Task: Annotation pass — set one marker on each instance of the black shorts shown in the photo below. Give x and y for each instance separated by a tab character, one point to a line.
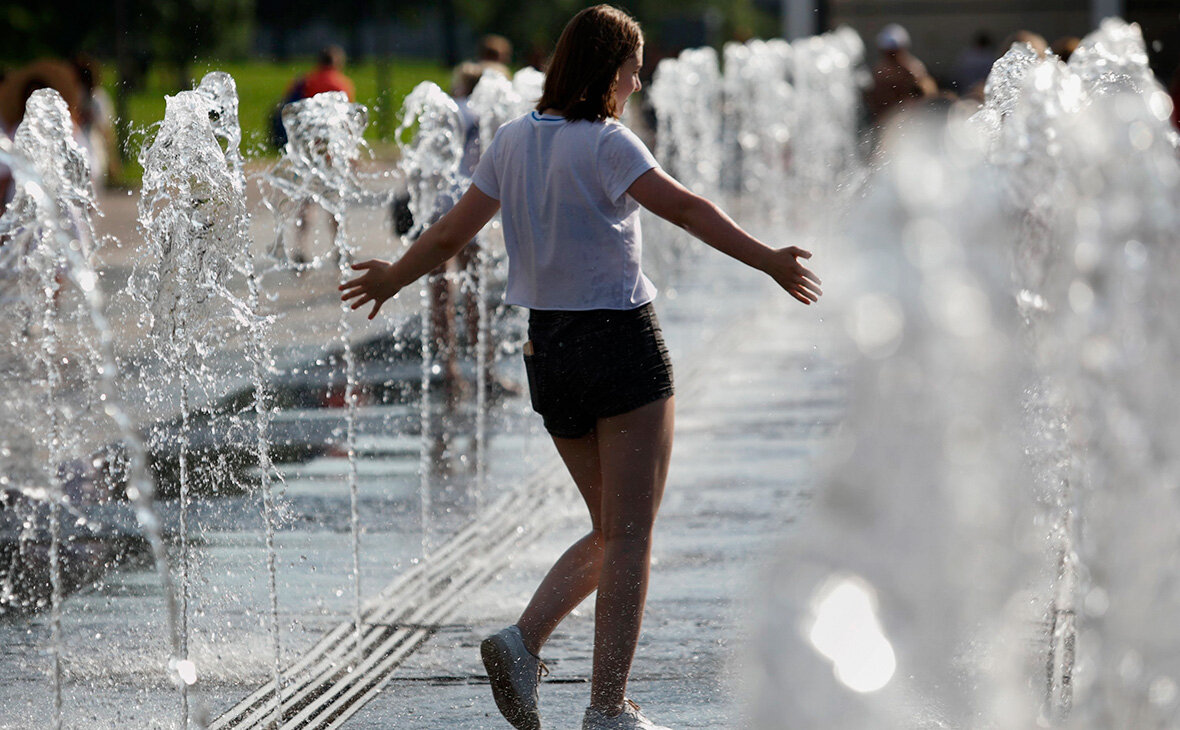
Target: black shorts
594	364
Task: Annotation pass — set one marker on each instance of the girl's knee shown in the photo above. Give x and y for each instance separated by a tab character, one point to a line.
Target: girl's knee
632	531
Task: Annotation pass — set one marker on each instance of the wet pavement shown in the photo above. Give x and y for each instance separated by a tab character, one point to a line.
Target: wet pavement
758	395
754	411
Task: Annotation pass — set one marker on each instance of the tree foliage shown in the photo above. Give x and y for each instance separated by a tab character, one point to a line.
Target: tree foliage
174	31
36	29
177	31
536	24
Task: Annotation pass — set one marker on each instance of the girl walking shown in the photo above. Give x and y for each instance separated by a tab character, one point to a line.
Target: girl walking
569	179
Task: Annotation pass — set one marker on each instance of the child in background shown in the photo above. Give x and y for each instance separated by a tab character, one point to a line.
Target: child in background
569	179
442	282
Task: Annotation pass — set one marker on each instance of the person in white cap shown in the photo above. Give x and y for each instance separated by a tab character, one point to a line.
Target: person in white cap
899	77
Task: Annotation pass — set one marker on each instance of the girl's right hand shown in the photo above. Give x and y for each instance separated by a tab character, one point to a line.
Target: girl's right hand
376	285
794	277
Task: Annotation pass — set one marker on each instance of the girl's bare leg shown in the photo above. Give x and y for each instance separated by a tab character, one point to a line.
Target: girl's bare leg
620	471
575	574
634	450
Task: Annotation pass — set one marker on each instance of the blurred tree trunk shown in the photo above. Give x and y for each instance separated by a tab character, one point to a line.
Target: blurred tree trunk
450	33
124	71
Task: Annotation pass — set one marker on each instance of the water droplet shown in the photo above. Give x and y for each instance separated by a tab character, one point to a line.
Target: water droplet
187	671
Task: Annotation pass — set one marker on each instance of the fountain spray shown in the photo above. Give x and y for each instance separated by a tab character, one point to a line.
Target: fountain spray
48	242
325	140
193	217
430	162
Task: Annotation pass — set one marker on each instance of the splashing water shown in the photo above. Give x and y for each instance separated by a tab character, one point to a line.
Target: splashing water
325	142
686	92
1004	489
220	91
529	83
193	217
45	136
59	346
494	101
823	154
755	123
1106	339
777	127
38	260
430	161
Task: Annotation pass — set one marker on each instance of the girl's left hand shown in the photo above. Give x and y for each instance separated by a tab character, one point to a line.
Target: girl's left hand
375	285
792	276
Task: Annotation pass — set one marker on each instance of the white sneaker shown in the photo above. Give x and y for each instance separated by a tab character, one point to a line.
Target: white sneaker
515	673
629	719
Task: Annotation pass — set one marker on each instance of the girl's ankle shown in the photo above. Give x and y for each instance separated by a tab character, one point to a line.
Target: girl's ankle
528	644
607	710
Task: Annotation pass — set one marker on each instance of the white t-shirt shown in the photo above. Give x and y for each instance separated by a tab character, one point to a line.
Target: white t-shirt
571	231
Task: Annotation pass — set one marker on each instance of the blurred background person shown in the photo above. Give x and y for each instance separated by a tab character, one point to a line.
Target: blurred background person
899	78
495	51
973	65
96	119
1064	47
1036	40
328	75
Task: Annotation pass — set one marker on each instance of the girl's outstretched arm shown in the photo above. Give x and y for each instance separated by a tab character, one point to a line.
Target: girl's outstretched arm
664	196
438	243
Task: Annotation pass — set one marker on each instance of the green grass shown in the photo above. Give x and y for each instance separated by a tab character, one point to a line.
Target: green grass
261	85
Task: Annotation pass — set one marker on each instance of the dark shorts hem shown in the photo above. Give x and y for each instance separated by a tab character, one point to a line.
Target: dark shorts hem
595	364
638	402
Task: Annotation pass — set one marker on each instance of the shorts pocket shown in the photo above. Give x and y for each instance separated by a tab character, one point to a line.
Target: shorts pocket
532	366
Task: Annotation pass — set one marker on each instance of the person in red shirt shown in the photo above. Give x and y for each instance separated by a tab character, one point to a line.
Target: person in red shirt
327	75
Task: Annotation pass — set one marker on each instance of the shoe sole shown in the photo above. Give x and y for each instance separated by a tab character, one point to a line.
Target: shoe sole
494	652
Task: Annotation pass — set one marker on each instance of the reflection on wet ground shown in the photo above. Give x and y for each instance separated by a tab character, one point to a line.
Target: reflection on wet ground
101	530
113	623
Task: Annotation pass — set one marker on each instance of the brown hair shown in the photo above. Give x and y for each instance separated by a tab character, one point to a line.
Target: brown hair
332	56
496	48
593	47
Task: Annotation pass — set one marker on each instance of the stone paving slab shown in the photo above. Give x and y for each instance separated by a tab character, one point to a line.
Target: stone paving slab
741	474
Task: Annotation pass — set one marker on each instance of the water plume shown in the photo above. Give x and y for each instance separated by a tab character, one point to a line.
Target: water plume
325	144
430	161
56	342
193	217
1003	495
